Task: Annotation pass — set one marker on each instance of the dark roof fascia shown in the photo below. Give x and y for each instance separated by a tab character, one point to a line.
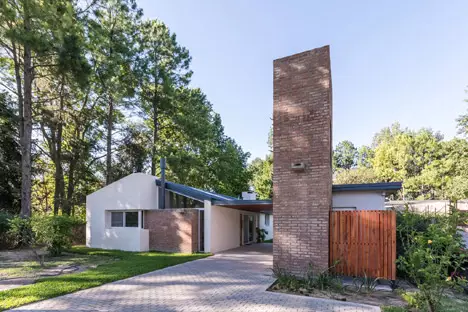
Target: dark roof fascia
241	202
389	186
192	192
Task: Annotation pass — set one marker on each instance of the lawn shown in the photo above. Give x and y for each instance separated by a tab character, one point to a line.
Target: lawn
268	241
128	264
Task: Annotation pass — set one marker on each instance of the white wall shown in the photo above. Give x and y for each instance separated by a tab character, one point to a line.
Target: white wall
360	200
137	191
225	228
268	228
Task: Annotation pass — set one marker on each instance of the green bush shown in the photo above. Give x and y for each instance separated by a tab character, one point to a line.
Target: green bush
432	256
261	233
20	232
55	232
4	228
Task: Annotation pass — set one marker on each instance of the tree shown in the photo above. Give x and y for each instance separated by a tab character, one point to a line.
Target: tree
365	155
355	176
36	34
164	67
113	51
345	155
262	172
10	180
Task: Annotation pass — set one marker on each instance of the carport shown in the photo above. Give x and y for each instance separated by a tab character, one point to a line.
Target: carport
232	223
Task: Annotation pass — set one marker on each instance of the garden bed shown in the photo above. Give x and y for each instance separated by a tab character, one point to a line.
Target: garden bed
347	293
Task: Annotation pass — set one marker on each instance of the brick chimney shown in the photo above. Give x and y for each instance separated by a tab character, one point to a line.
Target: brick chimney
302	172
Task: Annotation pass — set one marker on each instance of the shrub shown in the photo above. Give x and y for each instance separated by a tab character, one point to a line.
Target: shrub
285	279
5	240
313	279
261	235
55	232
365	284
20	232
432	257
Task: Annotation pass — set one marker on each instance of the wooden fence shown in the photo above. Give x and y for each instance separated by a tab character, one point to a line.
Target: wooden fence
364	242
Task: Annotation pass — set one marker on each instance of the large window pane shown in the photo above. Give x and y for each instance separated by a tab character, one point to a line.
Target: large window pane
116	219
131	219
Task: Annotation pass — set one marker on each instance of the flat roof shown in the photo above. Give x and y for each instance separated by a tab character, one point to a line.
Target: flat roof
384	186
267	205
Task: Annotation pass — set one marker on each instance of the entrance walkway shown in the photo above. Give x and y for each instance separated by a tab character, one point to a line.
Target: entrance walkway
235	280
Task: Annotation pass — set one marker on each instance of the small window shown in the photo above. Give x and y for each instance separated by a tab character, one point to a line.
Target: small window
267	220
131	219
117	219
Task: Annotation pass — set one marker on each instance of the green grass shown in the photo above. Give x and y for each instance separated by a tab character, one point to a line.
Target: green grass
268	241
31	269
129	264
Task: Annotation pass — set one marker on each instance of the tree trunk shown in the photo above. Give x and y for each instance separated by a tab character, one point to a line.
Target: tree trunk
57	141
27	115
19	89
155	138
109	142
68	205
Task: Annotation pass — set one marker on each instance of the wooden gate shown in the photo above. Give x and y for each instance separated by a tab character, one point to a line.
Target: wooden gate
364	242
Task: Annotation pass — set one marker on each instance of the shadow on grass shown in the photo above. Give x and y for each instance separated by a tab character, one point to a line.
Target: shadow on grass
129	264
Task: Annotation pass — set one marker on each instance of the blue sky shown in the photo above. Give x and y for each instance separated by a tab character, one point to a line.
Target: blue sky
403	61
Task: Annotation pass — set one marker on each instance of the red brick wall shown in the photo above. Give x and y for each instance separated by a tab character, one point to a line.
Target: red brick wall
172	230
302	133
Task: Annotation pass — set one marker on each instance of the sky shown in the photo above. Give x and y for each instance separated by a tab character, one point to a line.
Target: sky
404	61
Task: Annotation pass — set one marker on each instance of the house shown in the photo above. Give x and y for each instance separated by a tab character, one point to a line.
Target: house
128	215
139	212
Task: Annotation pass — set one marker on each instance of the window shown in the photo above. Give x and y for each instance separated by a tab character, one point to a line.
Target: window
124	219
267	220
117	219
131	219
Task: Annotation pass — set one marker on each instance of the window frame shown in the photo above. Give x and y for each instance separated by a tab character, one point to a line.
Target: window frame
124	219
267	217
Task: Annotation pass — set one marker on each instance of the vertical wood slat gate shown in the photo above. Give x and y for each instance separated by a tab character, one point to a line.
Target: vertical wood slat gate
364	242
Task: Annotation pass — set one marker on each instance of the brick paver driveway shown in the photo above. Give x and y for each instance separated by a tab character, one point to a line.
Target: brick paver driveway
232	281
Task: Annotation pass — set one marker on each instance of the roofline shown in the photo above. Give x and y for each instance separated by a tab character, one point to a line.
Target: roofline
387	186
192	192
241	202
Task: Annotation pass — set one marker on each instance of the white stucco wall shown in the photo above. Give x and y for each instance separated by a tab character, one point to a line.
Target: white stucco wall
135	192
268	228
360	200
225	228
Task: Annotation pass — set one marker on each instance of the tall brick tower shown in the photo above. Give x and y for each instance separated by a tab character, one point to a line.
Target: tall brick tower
302	172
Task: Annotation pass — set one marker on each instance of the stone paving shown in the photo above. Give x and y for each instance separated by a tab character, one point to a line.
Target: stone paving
231	281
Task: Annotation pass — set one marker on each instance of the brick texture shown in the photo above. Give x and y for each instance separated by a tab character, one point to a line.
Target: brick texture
173	230
302	133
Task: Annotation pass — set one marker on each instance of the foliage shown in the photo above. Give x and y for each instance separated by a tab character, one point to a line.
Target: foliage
21	232
261	235
345	155
313	279
365	283
356	176
285	279
129	264
261	171
432	258
108	94
9	157
4	228
55	232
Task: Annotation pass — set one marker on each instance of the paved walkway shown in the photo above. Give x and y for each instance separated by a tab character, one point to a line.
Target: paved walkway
231	281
